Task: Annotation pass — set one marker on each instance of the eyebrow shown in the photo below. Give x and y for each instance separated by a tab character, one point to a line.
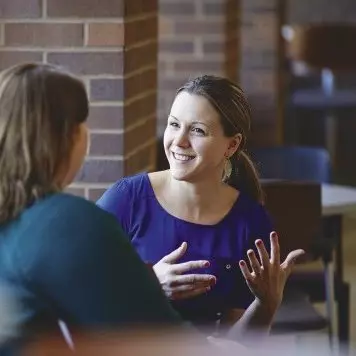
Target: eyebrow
194	122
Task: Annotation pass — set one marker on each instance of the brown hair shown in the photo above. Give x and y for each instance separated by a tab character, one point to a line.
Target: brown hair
41	107
235	114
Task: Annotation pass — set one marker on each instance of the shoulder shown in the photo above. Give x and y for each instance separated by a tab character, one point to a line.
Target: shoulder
66	209
255	216
125	188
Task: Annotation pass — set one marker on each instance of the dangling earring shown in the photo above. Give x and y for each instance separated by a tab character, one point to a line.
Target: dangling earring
227	169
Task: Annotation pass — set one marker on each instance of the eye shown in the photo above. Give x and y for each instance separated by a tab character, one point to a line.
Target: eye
199	131
173	124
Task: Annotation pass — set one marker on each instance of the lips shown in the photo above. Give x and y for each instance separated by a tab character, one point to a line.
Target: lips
182	157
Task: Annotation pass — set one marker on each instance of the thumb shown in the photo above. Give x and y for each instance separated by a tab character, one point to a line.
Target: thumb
290	260
176	254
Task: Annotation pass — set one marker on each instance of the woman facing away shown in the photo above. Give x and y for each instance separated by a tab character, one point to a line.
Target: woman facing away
62	257
196	221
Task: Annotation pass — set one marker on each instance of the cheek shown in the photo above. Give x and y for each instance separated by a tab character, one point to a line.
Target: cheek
167	139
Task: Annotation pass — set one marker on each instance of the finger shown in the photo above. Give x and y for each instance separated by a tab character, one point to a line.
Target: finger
275	249
255	265
207	279
262	252
189	294
176	254
188	266
290	260
245	271
189	287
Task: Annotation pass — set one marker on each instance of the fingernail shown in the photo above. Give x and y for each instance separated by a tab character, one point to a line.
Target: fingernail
259	242
274	234
242	263
206	264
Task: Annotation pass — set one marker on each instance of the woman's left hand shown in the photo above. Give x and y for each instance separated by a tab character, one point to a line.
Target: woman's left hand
268	276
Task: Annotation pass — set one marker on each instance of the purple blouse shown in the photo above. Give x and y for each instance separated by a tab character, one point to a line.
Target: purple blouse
154	233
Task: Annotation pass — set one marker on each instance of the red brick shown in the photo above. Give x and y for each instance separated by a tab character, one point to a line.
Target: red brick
105	34
258	81
216	8
263	5
106	144
141	160
85	8
40	34
149	6
199	27
138	135
171	84
198	66
140	56
106	117
140	83
138	7
20	9
140	108
178	8
89	63
107	90
176	46
141	30
213	46
100	171
9	58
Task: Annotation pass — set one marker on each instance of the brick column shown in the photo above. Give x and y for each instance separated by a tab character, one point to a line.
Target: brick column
260	66
112	45
195	37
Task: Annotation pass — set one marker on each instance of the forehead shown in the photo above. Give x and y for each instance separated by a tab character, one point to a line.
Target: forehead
193	107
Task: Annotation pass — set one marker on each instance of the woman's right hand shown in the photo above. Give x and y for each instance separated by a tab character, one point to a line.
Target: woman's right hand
177	285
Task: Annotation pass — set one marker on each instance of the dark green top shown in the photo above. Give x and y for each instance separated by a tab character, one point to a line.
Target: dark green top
67	259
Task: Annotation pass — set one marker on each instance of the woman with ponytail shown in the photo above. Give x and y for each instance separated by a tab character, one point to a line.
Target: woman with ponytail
196	222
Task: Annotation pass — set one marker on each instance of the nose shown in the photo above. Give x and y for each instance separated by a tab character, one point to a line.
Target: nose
182	139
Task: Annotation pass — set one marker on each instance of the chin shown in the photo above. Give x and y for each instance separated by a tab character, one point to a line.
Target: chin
179	174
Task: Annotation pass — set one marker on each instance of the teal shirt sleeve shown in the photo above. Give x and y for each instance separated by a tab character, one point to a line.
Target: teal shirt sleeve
85	267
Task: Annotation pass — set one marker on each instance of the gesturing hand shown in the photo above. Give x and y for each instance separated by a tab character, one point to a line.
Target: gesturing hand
177	285
268	276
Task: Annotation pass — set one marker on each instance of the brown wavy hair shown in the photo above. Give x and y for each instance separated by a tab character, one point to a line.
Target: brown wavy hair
230	102
41	107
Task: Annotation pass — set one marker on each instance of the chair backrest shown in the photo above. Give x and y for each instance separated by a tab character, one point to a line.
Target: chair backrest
296	212
293	163
324	45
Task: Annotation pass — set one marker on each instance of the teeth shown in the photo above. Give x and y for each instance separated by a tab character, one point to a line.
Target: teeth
182	157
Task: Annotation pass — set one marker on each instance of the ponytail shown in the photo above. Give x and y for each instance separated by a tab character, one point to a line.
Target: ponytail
244	176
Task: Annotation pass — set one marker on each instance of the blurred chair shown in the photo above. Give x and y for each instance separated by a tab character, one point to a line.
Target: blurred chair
290	203
305	164
293	163
329	49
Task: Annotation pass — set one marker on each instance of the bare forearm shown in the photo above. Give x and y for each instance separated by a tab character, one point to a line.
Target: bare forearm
257	319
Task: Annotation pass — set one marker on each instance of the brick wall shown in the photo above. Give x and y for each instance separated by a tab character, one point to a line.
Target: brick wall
306	11
112	45
195	37
260	63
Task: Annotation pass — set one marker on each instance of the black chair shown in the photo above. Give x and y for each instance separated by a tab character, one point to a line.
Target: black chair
309	164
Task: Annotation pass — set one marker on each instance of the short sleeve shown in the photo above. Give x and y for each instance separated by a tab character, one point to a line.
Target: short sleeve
117	200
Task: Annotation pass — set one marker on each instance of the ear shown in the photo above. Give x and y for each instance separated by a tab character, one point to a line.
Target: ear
234	144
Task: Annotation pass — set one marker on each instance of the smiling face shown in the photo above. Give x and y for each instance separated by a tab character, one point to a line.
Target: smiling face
194	141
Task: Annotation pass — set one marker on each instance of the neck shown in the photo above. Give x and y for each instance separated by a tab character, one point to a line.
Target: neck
196	196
